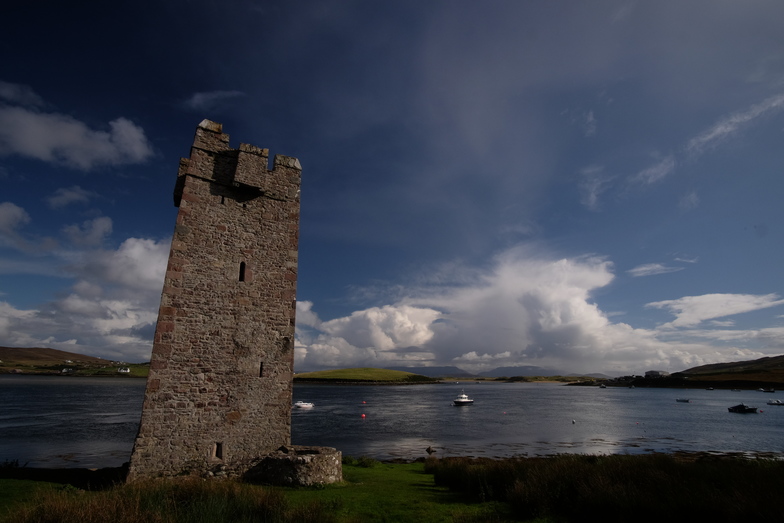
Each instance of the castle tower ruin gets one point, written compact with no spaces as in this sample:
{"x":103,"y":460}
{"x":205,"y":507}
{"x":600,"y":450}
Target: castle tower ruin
{"x":219,"y":391}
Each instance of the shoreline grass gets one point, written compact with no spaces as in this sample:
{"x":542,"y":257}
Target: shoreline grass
{"x":615,"y":488}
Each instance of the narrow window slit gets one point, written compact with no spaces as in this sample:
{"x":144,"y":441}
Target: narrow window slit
{"x":217,"y":450}
{"x":242,"y":271}
{"x":261,"y":369}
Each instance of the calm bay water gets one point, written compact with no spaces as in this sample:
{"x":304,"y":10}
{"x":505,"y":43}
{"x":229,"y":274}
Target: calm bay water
{"x":92,"y":422}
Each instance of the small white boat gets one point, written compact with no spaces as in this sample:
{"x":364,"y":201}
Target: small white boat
{"x":303,"y":405}
{"x":462,"y":399}
{"x":776,"y":402}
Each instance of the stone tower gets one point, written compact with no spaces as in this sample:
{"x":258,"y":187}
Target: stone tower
{"x":219,"y":391}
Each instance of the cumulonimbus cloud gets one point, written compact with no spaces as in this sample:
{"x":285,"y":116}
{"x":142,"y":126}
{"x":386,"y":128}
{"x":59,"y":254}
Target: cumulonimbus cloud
{"x":527,"y":309}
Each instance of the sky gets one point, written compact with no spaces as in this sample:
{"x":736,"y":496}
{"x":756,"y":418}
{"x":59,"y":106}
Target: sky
{"x":581,"y":186}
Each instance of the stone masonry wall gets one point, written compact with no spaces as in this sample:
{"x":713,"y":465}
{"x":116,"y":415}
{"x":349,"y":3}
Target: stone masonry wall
{"x":219,"y":391}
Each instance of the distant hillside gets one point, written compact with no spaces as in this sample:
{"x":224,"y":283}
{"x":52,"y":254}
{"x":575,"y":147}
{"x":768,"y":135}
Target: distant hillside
{"x":362,"y":374}
{"x":45,"y":361}
{"x":769,"y":369}
{"x":41,"y":356}
{"x":435,"y":372}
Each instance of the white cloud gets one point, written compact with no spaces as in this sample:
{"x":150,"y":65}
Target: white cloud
{"x":137,"y":265}
{"x":11,"y":218}
{"x":19,"y":94}
{"x":66,"y":196}
{"x":384,"y":328}
{"x":651,"y":269}
{"x":305,"y":315}
{"x":692,"y":310}
{"x":110,"y":310}
{"x":210,"y":100}
{"x":90,"y":232}
{"x":733,"y":123}
{"x":61,"y":139}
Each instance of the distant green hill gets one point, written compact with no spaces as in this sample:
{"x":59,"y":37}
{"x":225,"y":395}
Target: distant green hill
{"x":765,"y":370}
{"x":37,"y":360}
{"x":362,"y":374}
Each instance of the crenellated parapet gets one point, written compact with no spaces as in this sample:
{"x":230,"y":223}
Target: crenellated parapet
{"x":244,"y":169}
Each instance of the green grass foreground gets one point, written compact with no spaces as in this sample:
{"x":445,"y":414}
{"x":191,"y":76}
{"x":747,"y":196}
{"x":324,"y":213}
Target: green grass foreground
{"x":371,"y":491}
{"x":553,"y":489}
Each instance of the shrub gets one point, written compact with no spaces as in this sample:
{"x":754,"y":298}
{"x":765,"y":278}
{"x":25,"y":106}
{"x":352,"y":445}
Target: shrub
{"x":180,"y":501}
{"x":620,"y":488}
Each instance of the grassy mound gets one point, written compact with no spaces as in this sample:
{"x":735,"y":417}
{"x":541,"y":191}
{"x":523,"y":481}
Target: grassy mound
{"x":362,"y":374}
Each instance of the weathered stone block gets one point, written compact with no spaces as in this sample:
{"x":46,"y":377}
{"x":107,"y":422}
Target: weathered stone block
{"x":295,"y":465}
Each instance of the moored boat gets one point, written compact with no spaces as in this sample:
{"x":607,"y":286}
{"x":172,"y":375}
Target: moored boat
{"x":462,"y":399}
{"x":776,"y":402}
{"x":683,"y":400}
{"x":303,"y":405}
{"x":740,"y":408}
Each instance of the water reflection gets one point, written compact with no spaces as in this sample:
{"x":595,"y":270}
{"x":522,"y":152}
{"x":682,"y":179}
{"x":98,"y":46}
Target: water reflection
{"x":64,"y":421}
{"x":529,"y":419}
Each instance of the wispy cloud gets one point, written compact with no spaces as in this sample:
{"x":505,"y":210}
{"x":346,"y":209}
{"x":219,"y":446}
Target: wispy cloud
{"x":91,"y":232}
{"x":732,"y":123}
{"x":593,"y":183}
{"x":210,"y":100}
{"x":589,"y":124}
{"x":689,"y":201}
{"x":651,"y":269}
{"x":66,"y":196}
{"x":692,"y":310}
{"x":656,"y":172}
{"x":684,"y":259}
{"x":704,"y":141}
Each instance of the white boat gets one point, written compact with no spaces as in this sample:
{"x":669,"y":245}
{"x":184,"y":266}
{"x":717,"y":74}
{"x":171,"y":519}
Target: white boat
{"x":462,"y":399}
{"x":776,"y":402}
{"x":303,"y":405}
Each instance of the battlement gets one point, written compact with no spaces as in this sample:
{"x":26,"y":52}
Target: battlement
{"x":246,"y":167}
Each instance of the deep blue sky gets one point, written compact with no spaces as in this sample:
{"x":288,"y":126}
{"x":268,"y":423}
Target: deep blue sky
{"x":587,"y":186}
